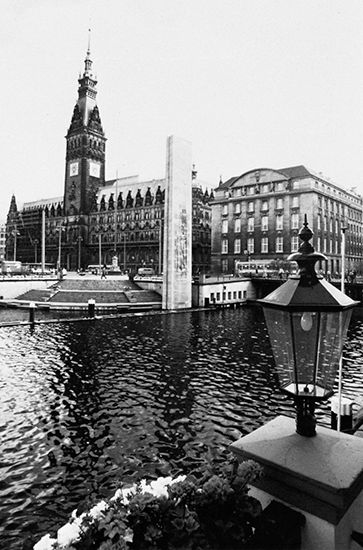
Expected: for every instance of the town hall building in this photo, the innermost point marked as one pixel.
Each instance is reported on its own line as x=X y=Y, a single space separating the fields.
x=95 y=220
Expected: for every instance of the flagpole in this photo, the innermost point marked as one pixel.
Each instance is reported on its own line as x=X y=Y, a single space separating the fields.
x=340 y=375
x=43 y=240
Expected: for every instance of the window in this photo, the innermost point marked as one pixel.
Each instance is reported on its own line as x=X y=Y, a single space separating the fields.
x=225 y=210
x=331 y=246
x=265 y=188
x=264 y=206
x=280 y=186
x=264 y=245
x=237 y=208
x=325 y=223
x=251 y=206
x=251 y=245
x=234 y=295
x=279 y=222
x=264 y=223
x=279 y=244
x=229 y=295
x=324 y=246
x=319 y=221
x=251 y=224
x=237 y=246
x=295 y=221
x=224 y=267
x=212 y=297
x=237 y=225
x=331 y=225
x=225 y=226
x=279 y=203
x=295 y=202
x=224 y=246
x=294 y=243
x=226 y=194
x=218 y=293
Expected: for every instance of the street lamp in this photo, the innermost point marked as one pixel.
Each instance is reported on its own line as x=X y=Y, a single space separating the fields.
x=99 y=234
x=79 y=251
x=307 y=320
x=15 y=234
x=35 y=250
x=60 y=228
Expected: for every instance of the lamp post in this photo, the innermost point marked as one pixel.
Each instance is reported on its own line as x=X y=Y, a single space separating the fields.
x=35 y=251
x=100 y=251
x=307 y=320
x=60 y=228
x=15 y=234
x=342 y=280
x=124 y=235
x=79 y=251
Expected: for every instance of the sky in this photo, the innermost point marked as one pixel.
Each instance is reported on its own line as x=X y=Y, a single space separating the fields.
x=250 y=83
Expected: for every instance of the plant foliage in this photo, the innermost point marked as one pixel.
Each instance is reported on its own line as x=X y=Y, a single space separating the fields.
x=213 y=512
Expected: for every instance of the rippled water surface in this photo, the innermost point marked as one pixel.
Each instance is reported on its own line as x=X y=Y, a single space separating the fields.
x=85 y=404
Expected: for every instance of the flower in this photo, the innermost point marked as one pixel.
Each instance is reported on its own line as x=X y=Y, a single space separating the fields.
x=209 y=512
x=45 y=543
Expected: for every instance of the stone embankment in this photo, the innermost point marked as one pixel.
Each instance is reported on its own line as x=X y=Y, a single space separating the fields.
x=74 y=292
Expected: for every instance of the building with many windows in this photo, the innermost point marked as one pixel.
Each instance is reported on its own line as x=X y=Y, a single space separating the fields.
x=258 y=216
x=97 y=220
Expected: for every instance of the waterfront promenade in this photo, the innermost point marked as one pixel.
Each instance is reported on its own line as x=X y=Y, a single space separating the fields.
x=74 y=292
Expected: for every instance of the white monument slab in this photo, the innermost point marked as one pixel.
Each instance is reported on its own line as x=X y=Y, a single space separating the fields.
x=177 y=278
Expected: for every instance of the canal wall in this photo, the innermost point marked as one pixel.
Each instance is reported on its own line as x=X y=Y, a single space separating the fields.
x=11 y=288
x=220 y=290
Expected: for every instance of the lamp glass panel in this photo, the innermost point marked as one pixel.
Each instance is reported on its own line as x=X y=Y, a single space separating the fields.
x=307 y=347
x=306 y=338
x=280 y=333
x=333 y=331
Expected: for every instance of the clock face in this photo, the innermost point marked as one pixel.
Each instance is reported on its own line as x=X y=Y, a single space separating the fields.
x=73 y=169
x=94 y=169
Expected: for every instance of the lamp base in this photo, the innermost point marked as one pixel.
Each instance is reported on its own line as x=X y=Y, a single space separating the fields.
x=305 y=418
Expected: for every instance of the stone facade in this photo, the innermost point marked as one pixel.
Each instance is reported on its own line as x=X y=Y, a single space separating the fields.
x=257 y=216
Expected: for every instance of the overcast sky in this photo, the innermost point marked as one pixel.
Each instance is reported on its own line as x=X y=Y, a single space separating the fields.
x=251 y=83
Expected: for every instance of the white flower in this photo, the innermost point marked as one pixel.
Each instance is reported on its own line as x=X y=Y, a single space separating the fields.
x=45 y=543
x=69 y=533
x=129 y=535
x=97 y=510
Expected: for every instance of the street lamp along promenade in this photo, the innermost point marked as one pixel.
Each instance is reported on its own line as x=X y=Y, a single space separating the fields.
x=307 y=320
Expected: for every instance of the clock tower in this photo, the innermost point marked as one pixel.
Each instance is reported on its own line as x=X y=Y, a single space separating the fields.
x=85 y=156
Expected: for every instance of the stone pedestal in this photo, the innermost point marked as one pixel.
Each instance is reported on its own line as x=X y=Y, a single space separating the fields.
x=177 y=263
x=320 y=476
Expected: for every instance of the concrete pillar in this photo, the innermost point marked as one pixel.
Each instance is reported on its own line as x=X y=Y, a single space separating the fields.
x=320 y=476
x=177 y=264
x=32 y=307
x=91 y=308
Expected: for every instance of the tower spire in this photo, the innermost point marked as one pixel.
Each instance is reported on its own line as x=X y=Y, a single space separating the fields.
x=89 y=43
x=88 y=60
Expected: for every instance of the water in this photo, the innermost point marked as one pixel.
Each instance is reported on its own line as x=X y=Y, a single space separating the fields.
x=85 y=404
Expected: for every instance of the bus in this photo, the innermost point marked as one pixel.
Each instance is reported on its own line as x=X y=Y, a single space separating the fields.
x=36 y=268
x=256 y=268
x=9 y=267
